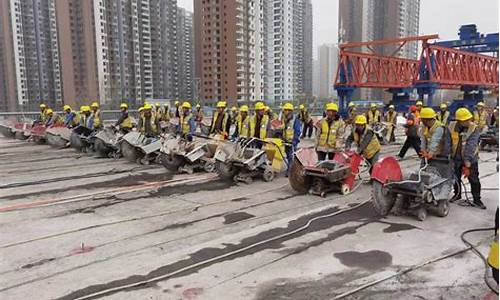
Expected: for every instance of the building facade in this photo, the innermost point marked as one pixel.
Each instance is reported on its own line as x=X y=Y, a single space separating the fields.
x=186 y=63
x=327 y=68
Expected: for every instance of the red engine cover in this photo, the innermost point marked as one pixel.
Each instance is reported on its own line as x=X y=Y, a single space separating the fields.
x=387 y=169
x=352 y=159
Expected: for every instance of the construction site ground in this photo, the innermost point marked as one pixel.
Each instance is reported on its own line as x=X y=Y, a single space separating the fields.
x=76 y=227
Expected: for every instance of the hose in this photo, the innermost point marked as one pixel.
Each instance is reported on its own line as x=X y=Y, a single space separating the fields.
x=479 y=254
x=412 y=181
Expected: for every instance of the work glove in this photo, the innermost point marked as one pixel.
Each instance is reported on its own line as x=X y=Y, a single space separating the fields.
x=466 y=171
x=425 y=154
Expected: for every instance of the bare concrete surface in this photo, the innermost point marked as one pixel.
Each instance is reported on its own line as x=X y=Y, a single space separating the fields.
x=76 y=227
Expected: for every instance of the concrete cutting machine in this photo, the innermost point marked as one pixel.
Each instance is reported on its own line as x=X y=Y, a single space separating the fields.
x=6 y=128
x=136 y=147
x=107 y=143
x=248 y=158
x=489 y=139
x=428 y=189
x=307 y=174
x=187 y=155
x=37 y=133
x=82 y=139
x=21 y=130
x=58 y=136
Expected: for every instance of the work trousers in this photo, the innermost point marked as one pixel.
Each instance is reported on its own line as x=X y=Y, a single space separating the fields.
x=413 y=142
x=307 y=129
x=475 y=184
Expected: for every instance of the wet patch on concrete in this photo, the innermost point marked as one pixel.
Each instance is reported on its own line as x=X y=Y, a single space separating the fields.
x=371 y=260
x=397 y=227
x=363 y=214
x=237 y=217
x=37 y=263
x=240 y=199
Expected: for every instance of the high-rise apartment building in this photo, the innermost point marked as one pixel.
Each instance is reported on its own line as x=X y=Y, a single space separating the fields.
x=185 y=61
x=365 y=20
x=327 y=64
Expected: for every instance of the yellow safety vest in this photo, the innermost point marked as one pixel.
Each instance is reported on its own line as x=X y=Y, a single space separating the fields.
x=288 y=130
x=443 y=118
x=372 y=148
x=126 y=123
x=243 y=126
x=391 y=117
x=153 y=124
x=97 y=118
x=84 y=121
x=493 y=256
x=455 y=137
x=328 y=135
x=429 y=132
x=263 y=126
x=481 y=119
x=43 y=116
x=304 y=116
x=373 y=117
x=224 y=123
x=185 y=123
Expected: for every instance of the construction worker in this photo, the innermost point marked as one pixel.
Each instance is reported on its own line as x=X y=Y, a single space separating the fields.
x=71 y=118
x=493 y=255
x=351 y=113
x=412 y=137
x=42 y=117
x=177 y=109
x=53 y=118
x=307 y=121
x=291 y=131
x=327 y=133
x=148 y=124
x=373 y=115
x=198 y=115
x=221 y=122
x=259 y=123
x=494 y=118
x=85 y=117
x=96 y=116
x=188 y=126
x=366 y=141
x=242 y=124
x=419 y=106
x=481 y=116
x=125 y=121
x=435 y=140
x=234 y=114
x=391 y=117
x=465 y=153
x=159 y=112
x=443 y=115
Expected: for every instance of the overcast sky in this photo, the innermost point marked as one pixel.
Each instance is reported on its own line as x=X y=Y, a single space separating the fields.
x=436 y=16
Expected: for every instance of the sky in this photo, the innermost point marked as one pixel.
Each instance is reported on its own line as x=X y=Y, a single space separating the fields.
x=443 y=17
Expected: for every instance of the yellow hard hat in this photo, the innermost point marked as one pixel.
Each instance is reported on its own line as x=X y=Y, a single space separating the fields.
x=351 y=104
x=221 y=104
x=288 y=106
x=481 y=104
x=234 y=108
x=95 y=104
x=157 y=104
x=141 y=109
x=267 y=108
x=124 y=105
x=43 y=106
x=373 y=105
x=332 y=106
x=85 y=108
x=443 y=105
x=427 y=113
x=244 y=108
x=177 y=103
x=49 y=111
x=419 y=103
x=147 y=106
x=259 y=106
x=186 y=105
x=66 y=107
x=463 y=114
x=360 y=120
x=392 y=106
x=302 y=106
x=198 y=106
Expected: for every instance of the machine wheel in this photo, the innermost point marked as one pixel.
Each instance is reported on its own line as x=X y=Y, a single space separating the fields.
x=209 y=167
x=422 y=214
x=76 y=142
x=20 y=136
x=101 y=149
x=298 y=181
x=345 y=189
x=381 y=200
x=443 y=208
x=268 y=175
x=171 y=162
x=225 y=171
x=129 y=152
x=243 y=178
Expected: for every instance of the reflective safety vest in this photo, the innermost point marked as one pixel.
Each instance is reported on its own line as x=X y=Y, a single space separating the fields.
x=372 y=117
x=213 y=128
x=97 y=118
x=374 y=145
x=126 y=123
x=43 y=116
x=198 y=115
x=328 y=135
x=288 y=130
x=493 y=256
x=76 y=119
x=391 y=117
x=186 y=128
x=481 y=119
x=455 y=137
x=429 y=132
x=84 y=121
x=443 y=117
x=152 y=121
x=243 y=126
x=305 y=117
x=263 y=126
